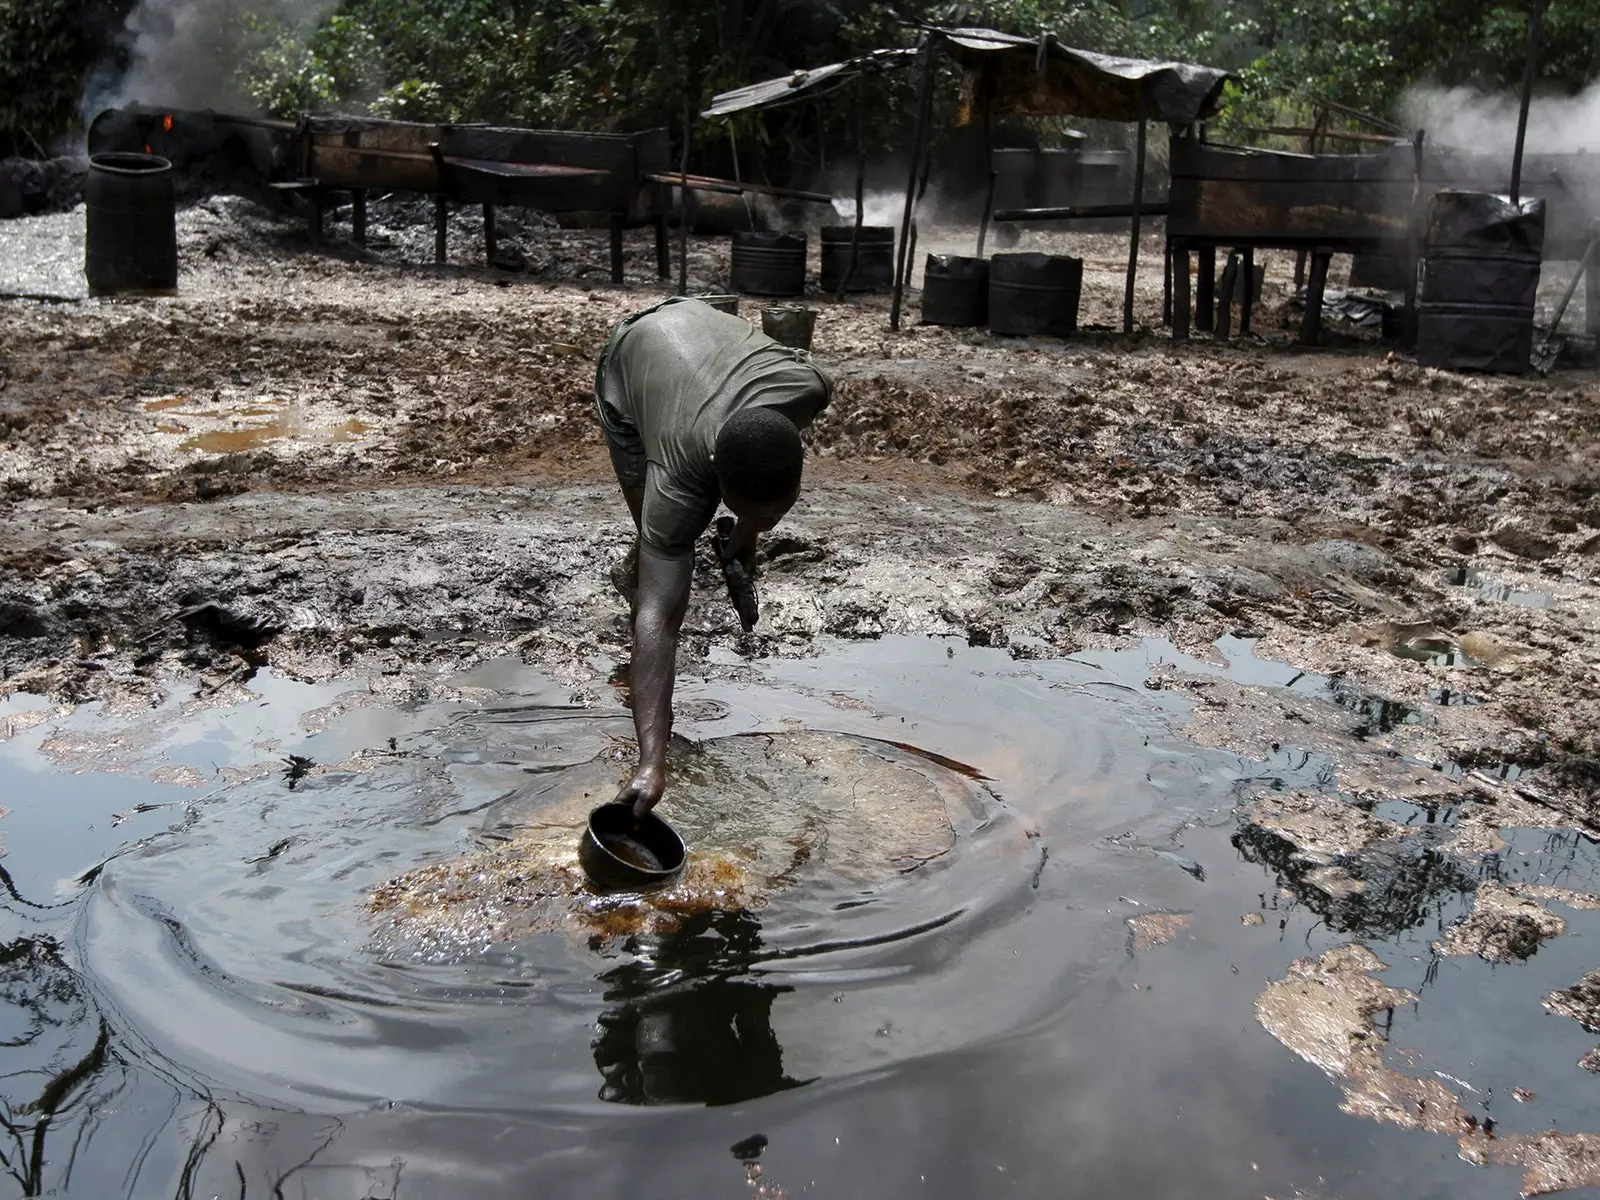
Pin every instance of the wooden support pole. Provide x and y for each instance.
(988, 159)
(901, 272)
(922, 192)
(1311, 319)
(1205, 288)
(491, 243)
(616, 248)
(358, 216)
(861, 186)
(1247, 275)
(683, 196)
(1408, 332)
(1133, 241)
(1530, 72)
(1166, 284)
(1591, 293)
(1230, 276)
(1180, 292)
(441, 227)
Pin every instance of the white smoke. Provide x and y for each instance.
(881, 207)
(187, 53)
(1469, 119)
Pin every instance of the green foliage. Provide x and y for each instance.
(621, 64)
(47, 51)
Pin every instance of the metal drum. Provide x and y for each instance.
(955, 290)
(1480, 276)
(130, 237)
(874, 258)
(1034, 293)
(769, 264)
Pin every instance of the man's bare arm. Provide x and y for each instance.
(658, 616)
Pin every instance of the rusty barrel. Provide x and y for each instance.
(1034, 294)
(955, 290)
(1480, 276)
(874, 258)
(769, 264)
(130, 236)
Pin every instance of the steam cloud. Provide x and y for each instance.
(186, 54)
(1469, 119)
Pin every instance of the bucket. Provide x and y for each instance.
(1034, 294)
(130, 236)
(874, 258)
(769, 264)
(790, 324)
(621, 852)
(955, 290)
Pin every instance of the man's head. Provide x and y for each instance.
(758, 457)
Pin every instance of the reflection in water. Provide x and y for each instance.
(684, 1029)
(46, 1020)
(1394, 887)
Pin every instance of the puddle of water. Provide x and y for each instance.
(1499, 593)
(1433, 652)
(980, 1022)
(1452, 697)
(237, 441)
(164, 403)
(282, 426)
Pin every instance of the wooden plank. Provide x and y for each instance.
(1205, 287)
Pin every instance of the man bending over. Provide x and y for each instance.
(697, 407)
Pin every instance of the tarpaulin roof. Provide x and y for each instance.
(1041, 77)
(806, 83)
(1030, 76)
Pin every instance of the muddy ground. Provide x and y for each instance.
(334, 460)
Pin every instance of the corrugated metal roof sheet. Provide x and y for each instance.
(805, 83)
(1031, 76)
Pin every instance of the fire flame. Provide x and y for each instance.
(166, 123)
(147, 149)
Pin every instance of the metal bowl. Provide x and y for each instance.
(621, 852)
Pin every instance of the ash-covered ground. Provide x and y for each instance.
(337, 460)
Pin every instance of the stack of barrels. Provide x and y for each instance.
(1016, 294)
(774, 264)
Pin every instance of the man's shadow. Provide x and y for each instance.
(687, 1026)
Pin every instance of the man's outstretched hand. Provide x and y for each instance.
(644, 790)
(738, 569)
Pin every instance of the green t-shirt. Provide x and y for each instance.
(675, 373)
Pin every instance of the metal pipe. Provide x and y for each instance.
(924, 87)
(1535, 22)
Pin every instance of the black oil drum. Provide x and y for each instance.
(874, 258)
(769, 264)
(1480, 276)
(130, 236)
(1034, 293)
(955, 290)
